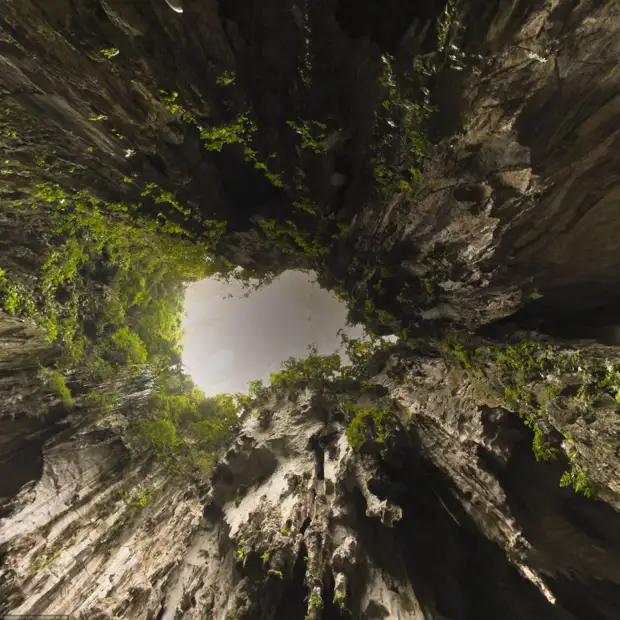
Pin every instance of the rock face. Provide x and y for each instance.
(516, 212)
(455, 520)
(513, 228)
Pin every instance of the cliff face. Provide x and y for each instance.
(456, 519)
(516, 211)
(510, 234)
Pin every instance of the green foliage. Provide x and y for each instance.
(435, 263)
(306, 206)
(142, 499)
(455, 349)
(519, 365)
(170, 100)
(314, 371)
(257, 390)
(444, 24)
(525, 360)
(577, 479)
(272, 572)
(135, 503)
(109, 52)
(292, 238)
(11, 301)
(186, 429)
(312, 238)
(610, 381)
(312, 134)
(542, 448)
(241, 551)
(402, 144)
(339, 599)
(251, 156)
(110, 292)
(131, 345)
(371, 313)
(315, 603)
(161, 434)
(528, 372)
(216, 137)
(146, 265)
(370, 425)
(58, 385)
(225, 79)
(43, 561)
(236, 132)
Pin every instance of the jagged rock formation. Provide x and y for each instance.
(512, 228)
(515, 213)
(456, 520)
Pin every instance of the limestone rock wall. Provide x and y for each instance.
(456, 520)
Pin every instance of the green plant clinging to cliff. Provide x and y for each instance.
(526, 371)
(315, 603)
(312, 134)
(370, 424)
(227, 78)
(109, 52)
(236, 132)
(401, 144)
(186, 429)
(577, 479)
(112, 296)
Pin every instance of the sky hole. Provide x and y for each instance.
(231, 339)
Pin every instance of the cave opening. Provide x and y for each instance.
(331, 610)
(232, 337)
(305, 525)
(294, 602)
(473, 201)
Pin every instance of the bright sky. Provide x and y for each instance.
(230, 341)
